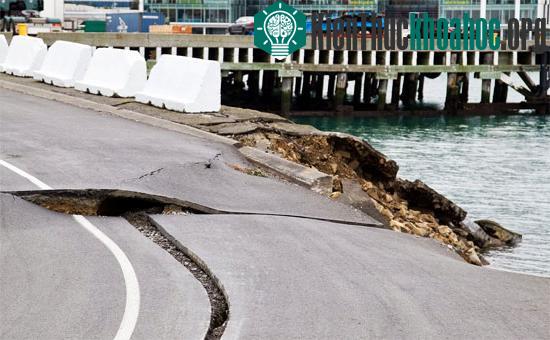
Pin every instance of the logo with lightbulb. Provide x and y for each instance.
(280, 30)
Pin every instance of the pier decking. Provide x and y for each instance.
(304, 74)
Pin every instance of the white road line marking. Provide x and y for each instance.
(22, 173)
(131, 311)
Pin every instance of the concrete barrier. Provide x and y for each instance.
(3, 48)
(25, 56)
(114, 72)
(183, 84)
(65, 63)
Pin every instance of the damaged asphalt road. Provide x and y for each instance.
(71, 148)
(283, 277)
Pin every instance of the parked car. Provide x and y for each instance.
(243, 26)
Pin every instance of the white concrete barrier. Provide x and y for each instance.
(114, 72)
(64, 64)
(25, 56)
(183, 84)
(3, 48)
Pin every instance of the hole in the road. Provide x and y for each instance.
(105, 202)
(118, 206)
(135, 207)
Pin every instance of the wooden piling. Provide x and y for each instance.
(286, 95)
(486, 83)
(410, 86)
(308, 85)
(341, 86)
(367, 88)
(382, 90)
(452, 99)
(238, 83)
(500, 92)
(319, 85)
(464, 88)
(268, 83)
(421, 87)
(357, 88)
(253, 83)
(528, 81)
(331, 83)
(485, 90)
(396, 89)
(298, 86)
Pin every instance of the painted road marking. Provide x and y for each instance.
(131, 310)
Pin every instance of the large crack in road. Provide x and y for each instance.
(136, 208)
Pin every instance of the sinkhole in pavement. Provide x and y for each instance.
(136, 208)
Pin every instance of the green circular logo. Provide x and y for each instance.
(280, 30)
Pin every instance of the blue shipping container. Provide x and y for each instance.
(132, 22)
(123, 22)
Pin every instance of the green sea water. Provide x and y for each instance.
(493, 167)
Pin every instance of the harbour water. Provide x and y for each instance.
(494, 167)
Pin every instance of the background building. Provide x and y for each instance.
(230, 10)
(402, 8)
(195, 10)
(502, 9)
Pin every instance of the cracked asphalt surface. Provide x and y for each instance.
(285, 278)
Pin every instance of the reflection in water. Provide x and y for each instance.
(494, 167)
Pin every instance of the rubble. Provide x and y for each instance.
(402, 205)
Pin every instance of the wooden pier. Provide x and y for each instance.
(301, 81)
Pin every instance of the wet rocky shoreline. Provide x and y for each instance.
(367, 179)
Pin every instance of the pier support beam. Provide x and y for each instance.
(382, 90)
(268, 82)
(253, 83)
(341, 86)
(410, 86)
(421, 87)
(319, 86)
(528, 81)
(238, 84)
(306, 87)
(500, 93)
(286, 95)
(485, 90)
(298, 85)
(395, 90)
(357, 88)
(367, 88)
(486, 83)
(452, 99)
(465, 87)
(331, 82)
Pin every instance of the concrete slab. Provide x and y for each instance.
(290, 278)
(58, 281)
(307, 177)
(173, 303)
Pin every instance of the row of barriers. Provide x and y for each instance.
(176, 83)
